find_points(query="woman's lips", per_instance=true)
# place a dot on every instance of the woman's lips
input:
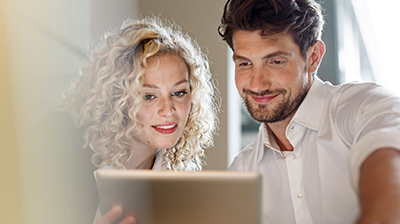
(264, 99)
(165, 129)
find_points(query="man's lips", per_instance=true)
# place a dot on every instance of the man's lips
(264, 99)
(165, 128)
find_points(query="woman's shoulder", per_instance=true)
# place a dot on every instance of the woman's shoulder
(158, 159)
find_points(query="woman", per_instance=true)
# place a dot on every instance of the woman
(145, 101)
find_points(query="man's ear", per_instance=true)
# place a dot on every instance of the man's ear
(314, 56)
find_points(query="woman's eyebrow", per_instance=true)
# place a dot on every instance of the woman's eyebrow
(180, 82)
(150, 86)
(156, 87)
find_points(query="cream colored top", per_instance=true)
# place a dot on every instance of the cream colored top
(156, 166)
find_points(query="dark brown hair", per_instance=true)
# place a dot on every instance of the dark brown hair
(300, 18)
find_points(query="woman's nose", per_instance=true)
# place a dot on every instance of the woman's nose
(166, 108)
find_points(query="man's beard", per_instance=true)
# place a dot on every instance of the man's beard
(266, 114)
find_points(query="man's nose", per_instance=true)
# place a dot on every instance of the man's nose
(259, 79)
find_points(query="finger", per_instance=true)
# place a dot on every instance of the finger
(110, 216)
(129, 220)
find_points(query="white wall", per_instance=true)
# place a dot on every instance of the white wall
(46, 43)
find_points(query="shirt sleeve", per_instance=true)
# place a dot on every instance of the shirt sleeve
(234, 165)
(369, 119)
(238, 164)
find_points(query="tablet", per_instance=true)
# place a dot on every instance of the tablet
(167, 197)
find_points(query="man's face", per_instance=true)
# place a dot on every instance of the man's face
(270, 74)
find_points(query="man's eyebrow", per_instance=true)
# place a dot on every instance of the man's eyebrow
(274, 54)
(238, 57)
(278, 53)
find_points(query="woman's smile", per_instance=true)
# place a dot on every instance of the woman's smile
(166, 128)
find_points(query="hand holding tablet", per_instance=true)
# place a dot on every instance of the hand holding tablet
(113, 215)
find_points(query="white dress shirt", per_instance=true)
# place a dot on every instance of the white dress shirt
(332, 132)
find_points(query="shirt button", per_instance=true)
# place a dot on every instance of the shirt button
(299, 195)
(293, 156)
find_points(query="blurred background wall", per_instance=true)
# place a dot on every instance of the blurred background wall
(10, 183)
(43, 44)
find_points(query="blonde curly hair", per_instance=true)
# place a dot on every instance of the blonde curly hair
(107, 95)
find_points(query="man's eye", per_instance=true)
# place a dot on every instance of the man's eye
(276, 62)
(245, 63)
(180, 93)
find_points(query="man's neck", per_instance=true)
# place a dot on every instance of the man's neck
(279, 131)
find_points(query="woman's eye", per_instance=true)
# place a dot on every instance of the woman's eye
(180, 93)
(148, 97)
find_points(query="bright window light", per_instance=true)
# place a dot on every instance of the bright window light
(381, 22)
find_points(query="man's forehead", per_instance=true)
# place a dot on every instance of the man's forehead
(251, 45)
(267, 35)
(244, 36)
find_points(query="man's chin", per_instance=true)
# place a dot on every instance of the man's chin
(260, 116)
(263, 115)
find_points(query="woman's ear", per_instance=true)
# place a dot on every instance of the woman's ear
(314, 56)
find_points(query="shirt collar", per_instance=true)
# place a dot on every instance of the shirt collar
(309, 114)
(310, 111)
(262, 139)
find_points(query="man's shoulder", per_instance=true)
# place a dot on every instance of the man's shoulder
(247, 150)
(365, 93)
(256, 145)
(247, 156)
(354, 88)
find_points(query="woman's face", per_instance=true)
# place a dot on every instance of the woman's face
(166, 102)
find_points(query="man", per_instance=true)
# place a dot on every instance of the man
(327, 154)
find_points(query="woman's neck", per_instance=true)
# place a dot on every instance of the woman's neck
(141, 159)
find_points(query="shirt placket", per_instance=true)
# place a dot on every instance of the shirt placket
(294, 164)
